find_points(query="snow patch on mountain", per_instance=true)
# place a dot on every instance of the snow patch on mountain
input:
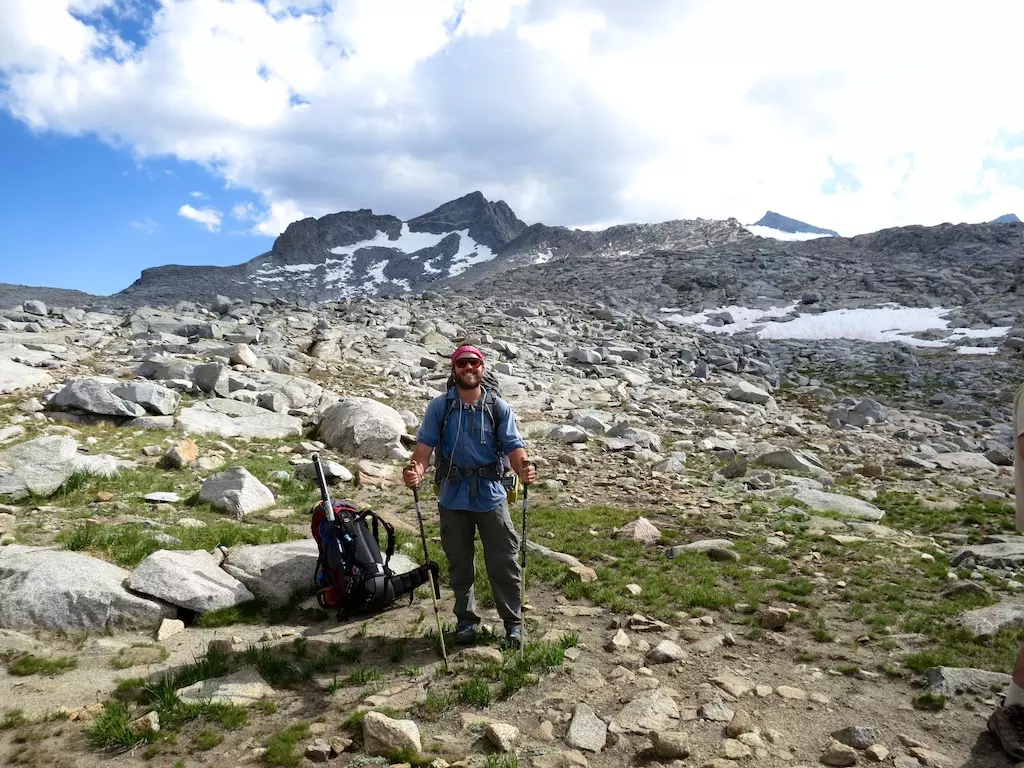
(470, 251)
(778, 234)
(888, 323)
(407, 241)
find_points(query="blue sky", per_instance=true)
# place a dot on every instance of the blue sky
(582, 113)
(77, 213)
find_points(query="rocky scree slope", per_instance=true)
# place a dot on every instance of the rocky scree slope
(978, 267)
(734, 560)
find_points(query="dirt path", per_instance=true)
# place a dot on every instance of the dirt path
(606, 681)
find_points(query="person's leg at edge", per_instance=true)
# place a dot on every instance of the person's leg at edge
(1007, 721)
(501, 556)
(1015, 694)
(458, 542)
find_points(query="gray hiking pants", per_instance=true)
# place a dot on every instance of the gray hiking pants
(501, 556)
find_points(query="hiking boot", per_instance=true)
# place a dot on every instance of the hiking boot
(1007, 723)
(515, 636)
(465, 634)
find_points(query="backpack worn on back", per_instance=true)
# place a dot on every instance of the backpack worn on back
(350, 574)
(501, 468)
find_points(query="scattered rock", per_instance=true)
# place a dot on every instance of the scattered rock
(670, 745)
(169, 628)
(189, 579)
(502, 735)
(276, 574)
(857, 736)
(243, 688)
(651, 711)
(382, 735)
(359, 426)
(839, 754)
(41, 588)
(236, 491)
(586, 731)
(952, 681)
(181, 454)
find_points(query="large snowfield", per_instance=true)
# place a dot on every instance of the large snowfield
(778, 234)
(890, 323)
(470, 251)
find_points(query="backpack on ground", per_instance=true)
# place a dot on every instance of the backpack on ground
(351, 577)
(501, 468)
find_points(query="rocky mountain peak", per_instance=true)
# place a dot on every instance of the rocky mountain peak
(309, 236)
(1006, 218)
(491, 224)
(785, 224)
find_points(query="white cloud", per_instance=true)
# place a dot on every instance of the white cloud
(571, 110)
(208, 217)
(274, 220)
(145, 225)
(198, 195)
(244, 212)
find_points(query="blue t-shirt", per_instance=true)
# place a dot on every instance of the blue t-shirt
(469, 442)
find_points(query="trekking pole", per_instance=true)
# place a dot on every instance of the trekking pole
(522, 576)
(430, 575)
(321, 480)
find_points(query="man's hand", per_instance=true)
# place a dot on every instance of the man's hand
(527, 473)
(412, 474)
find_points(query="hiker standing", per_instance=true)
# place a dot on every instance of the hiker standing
(472, 430)
(1007, 720)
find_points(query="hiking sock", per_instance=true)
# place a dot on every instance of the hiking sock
(1015, 695)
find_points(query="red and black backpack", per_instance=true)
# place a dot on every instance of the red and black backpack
(351, 576)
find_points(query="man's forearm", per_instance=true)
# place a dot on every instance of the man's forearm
(421, 455)
(516, 459)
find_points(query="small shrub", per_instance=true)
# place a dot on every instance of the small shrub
(207, 739)
(36, 665)
(931, 702)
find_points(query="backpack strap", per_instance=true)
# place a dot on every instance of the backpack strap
(388, 529)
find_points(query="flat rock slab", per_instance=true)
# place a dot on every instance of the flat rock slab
(93, 395)
(53, 589)
(652, 711)
(15, 376)
(231, 418)
(847, 506)
(963, 460)
(998, 555)
(983, 622)
(950, 681)
(275, 573)
(242, 689)
(38, 466)
(192, 580)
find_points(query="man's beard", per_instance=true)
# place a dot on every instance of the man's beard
(463, 385)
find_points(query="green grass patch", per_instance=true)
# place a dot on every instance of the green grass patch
(139, 654)
(13, 718)
(688, 581)
(978, 517)
(475, 692)
(112, 729)
(206, 739)
(930, 702)
(281, 746)
(128, 545)
(27, 664)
